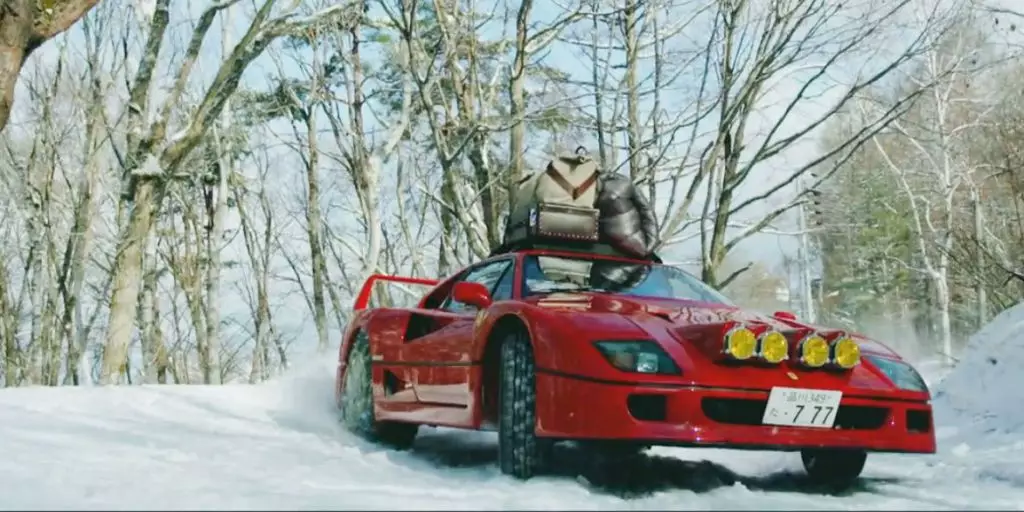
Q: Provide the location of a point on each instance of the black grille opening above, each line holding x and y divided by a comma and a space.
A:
746, 411
648, 407
392, 384
735, 411
919, 421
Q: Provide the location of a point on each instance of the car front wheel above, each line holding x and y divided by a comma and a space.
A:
520, 452
356, 404
835, 468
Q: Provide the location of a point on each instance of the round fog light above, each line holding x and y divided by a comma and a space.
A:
814, 351
741, 343
847, 353
774, 347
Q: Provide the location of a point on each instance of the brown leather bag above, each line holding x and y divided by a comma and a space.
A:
557, 203
562, 221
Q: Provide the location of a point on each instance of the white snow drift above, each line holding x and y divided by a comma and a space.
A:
278, 445
979, 403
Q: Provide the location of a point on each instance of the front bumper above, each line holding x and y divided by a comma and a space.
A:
576, 407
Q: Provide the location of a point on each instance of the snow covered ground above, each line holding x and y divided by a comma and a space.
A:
278, 446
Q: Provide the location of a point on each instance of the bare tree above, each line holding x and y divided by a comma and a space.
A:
301, 102
153, 156
457, 87
259, 234
35, 352
935, 157
754, 49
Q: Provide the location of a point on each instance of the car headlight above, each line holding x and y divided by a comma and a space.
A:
901, 374
637, 356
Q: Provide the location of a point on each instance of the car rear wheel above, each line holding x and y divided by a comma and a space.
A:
355, 407
832, 467
520, 452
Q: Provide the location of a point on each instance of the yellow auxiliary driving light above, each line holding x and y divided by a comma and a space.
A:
773, 347
845, 353
740, 343
814, 351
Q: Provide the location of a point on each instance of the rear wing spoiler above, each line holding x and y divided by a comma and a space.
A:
363, 299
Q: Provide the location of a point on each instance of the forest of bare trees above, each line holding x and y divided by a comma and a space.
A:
192, 192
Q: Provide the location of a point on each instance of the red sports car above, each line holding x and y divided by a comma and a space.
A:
620, 354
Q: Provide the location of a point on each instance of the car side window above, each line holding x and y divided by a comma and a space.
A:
503, 290
487, 275
438, 299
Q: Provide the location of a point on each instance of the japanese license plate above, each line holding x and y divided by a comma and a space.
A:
798, 407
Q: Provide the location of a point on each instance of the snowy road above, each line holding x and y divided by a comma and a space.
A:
278, 446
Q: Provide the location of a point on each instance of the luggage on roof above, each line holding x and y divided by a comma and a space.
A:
627, 219
557, 203
573, 204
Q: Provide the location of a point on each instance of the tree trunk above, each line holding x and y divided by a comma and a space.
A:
260, 261
33, 371
15, 33
632, 94
942, 304
162, 358
23, 28
979, 236
365, 174
604, 149
314, 231
517, 100
127, 278
148, 321
8, 331
75, 255
216, 206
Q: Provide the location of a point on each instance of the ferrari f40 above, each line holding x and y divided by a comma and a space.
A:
552, 345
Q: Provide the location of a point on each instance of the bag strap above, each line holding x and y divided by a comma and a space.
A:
575, 192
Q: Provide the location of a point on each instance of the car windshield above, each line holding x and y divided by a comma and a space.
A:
548, 274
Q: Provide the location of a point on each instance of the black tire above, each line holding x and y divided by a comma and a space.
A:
614, 451
837, 469
520, 453
355, 407
612, 463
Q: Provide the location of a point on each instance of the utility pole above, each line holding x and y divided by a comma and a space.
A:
806, 294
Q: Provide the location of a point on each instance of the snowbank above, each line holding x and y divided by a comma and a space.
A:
982, 395
978, 413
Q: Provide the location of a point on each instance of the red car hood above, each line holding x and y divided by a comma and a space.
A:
595, 309
629, 317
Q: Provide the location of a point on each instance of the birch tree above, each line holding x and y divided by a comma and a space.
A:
935, 155
260, 232
155, 154
54, 190
807, 41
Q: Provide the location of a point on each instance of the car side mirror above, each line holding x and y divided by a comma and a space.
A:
784, 315
474, 294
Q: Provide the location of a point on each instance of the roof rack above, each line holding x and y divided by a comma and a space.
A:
597, 248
